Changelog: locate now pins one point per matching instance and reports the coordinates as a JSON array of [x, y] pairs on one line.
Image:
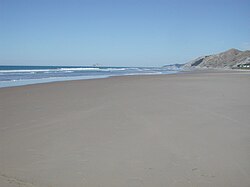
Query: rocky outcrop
[[232, 58]]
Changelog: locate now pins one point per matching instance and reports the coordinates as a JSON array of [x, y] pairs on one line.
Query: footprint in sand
[[198, 172]]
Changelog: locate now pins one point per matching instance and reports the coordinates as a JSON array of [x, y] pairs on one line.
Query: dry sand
[[182, 130]]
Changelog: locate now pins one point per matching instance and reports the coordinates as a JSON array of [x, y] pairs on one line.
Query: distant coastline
[[230, 59]]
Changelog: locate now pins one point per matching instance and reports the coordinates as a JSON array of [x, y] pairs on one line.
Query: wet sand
[[190, 129]]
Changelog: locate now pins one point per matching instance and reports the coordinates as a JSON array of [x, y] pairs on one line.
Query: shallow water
[[24, 75]]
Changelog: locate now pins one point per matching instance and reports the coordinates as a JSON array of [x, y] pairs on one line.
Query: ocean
[[24, 75]]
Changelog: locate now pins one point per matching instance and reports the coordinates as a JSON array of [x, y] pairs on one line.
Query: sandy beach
[[181, 130]]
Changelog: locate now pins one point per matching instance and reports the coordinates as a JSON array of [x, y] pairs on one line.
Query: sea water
[[24, 75]]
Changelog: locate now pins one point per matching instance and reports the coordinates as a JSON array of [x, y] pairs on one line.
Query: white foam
[[79, 69], [24, 70], [22, 82], [62, 69], [93, 69], [114, 69]]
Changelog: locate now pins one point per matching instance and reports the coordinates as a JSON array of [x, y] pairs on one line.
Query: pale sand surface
[[184, 130]]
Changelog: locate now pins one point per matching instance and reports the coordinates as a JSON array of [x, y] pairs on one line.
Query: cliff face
[[232, 58]]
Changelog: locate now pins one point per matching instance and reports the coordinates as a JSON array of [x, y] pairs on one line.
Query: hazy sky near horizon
[[119, 32]]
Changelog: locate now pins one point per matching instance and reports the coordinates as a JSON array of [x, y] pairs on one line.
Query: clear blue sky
[[119, 32]]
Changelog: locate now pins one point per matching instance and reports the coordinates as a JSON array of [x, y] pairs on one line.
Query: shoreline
[[66, 79], [6, 84], [25, 75], [184, 129]]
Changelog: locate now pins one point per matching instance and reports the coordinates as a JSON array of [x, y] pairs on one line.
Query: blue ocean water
[[24, 75]]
